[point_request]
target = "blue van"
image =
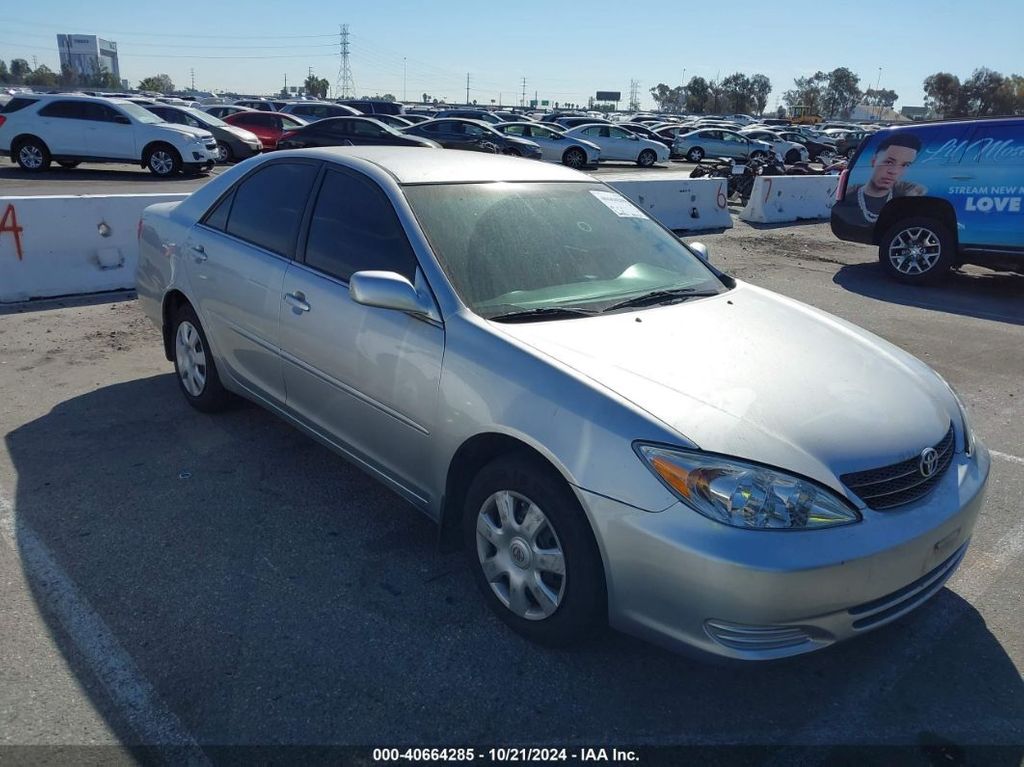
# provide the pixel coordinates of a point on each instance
(937, 195)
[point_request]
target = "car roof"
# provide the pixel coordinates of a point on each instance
(412, 165)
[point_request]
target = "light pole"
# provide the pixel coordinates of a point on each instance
(682, 90)
(403, 78)
(878, 101)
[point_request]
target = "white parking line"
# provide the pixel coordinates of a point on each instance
(1006, 457)
(131, 693)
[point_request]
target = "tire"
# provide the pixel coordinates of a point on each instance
(224, 153)
(917, 251)
(792, 156)
(516, 508)
(194, 365)
(695, 155)
(163, 160)
(32, 155)
(647, 158)
(574, 157)
(68, 164)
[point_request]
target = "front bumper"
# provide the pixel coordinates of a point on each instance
(681, 580)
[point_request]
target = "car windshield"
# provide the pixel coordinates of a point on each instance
(510, 247)
(205, 118)
(140, 114)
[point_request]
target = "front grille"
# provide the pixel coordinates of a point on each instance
(900, 483)
(886, 608)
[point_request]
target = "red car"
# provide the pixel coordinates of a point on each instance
(268, 126)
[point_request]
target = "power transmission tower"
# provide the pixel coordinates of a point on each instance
(634, 96)
(192, 72)
(344, 86)
(523, 102)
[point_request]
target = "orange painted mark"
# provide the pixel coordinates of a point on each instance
(9, 223)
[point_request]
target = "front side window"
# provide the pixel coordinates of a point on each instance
(355, 228)
(268, 206)
(519, 246)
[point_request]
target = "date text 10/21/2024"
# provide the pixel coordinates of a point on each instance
(504, 754)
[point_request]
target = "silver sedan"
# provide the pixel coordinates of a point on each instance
(555, 145)
(614, 429)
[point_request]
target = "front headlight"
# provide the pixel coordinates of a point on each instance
(745, 495)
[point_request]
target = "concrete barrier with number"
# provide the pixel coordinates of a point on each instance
(676, 200)
(776, 199)
(60, 246)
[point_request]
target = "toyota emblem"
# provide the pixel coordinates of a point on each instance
(929, 462)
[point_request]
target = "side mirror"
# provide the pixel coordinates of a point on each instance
(388, 290)
(701, 250)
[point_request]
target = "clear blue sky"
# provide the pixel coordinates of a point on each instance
(565, 50)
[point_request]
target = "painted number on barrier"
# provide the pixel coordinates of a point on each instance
(720, 198)
(9, 223)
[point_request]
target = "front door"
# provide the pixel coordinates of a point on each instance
(363, 377)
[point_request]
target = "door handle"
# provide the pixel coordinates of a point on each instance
(199, 253)
(297, 301)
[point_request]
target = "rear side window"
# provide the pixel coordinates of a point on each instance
(15, 104)
(69, 110)
(218, 217)
(268, 206)
(354, 227)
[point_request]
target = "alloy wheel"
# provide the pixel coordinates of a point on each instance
(31, 156)
(161, 162)
(914, 251)
(520, 555)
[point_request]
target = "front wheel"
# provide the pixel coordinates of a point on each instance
(193, 362)
(574, 158)
(224, 153)
(647, 158)
(532, 552)
(163, 161)
(917, 251)
(792, 156)
(695, 155)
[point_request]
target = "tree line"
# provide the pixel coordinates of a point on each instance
(984, 93)
(19, 72)
(737, 93)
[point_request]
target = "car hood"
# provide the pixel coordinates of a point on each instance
(757, 376)
(242, 133)
(187, 131)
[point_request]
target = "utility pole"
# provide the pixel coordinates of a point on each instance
(877, 84)
(403, 78)
(285, 91)
(536, 100)
(192, 72)
(467, 89)
(523, 102)
(634, 96)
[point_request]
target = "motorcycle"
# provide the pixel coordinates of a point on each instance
(740, 175)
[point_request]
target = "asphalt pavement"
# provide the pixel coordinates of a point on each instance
(132, 179)
(191, 580)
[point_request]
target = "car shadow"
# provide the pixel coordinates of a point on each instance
(272, 594)
(971, 293)
(64, 302)
(86, 173)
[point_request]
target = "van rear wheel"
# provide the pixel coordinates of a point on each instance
(917, 251)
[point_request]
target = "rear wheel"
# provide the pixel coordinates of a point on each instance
(194, 364)
(532, 551)
(917, 251)
(574, 157)
(163, 160)
(695, 155)
(647, 158)
(32, 155)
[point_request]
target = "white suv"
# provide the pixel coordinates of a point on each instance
(37, 129)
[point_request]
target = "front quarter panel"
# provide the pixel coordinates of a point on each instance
(491, 383)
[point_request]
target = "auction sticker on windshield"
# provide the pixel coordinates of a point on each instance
(617, 205)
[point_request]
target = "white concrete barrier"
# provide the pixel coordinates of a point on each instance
(676, 200)
(63, 245)
(775, 199)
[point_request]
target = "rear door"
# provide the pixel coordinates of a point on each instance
(236, 257)
(362, 377)
(65, 127)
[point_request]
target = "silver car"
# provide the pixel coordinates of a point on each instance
(555, 145)
(717, 142)
(614, 429)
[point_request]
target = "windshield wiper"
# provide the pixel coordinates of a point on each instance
(666, 296)
(543, 312)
